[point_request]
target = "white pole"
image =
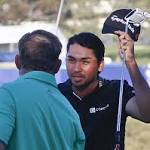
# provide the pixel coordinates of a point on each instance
(122, 53)
(59, 14)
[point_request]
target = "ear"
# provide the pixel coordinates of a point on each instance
(101, 65)
(57, 66)
(18, 61)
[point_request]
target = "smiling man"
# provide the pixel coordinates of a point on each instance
(96, 99)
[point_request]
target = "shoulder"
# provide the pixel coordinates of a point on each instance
(6, 87)
(109, 83)
(113, 83)
(6, 93)
(9, 90)
(11, 85)
(65, 86)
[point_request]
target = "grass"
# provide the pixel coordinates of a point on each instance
(142, 54)
(137, 135)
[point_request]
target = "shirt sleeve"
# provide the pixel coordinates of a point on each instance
(129, 91)
(7, 115)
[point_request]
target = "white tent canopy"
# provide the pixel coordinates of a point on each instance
(11, 34)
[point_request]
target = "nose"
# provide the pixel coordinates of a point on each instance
(77, 67)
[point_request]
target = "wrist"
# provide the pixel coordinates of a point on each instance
(130, 61)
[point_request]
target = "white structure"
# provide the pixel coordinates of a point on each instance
(11, 34)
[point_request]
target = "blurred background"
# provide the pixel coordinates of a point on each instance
(20, 16)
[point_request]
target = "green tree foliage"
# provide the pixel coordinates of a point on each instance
(77, 15)
(19, 10)
(15, 11)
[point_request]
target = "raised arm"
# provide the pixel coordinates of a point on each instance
(138, 106)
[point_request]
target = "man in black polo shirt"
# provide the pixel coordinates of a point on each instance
(96, 99)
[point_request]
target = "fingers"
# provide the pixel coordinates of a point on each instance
(125, 42)
(122, 35)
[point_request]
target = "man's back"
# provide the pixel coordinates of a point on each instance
(37, 116)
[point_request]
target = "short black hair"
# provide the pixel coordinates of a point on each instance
(39, 50)
(88, 40)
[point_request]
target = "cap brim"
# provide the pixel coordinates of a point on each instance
(109, 29)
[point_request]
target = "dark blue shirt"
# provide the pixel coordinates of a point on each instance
(98, 112)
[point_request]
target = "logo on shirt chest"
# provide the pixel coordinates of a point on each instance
(97, 109)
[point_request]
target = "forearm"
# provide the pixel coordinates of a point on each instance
(142, 90)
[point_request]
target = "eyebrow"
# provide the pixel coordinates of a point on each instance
(83, 58)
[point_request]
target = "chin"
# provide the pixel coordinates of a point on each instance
(76, 83)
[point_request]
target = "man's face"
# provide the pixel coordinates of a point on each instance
(82, 66)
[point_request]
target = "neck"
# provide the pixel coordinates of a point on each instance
(85, 90)
(22, 71)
